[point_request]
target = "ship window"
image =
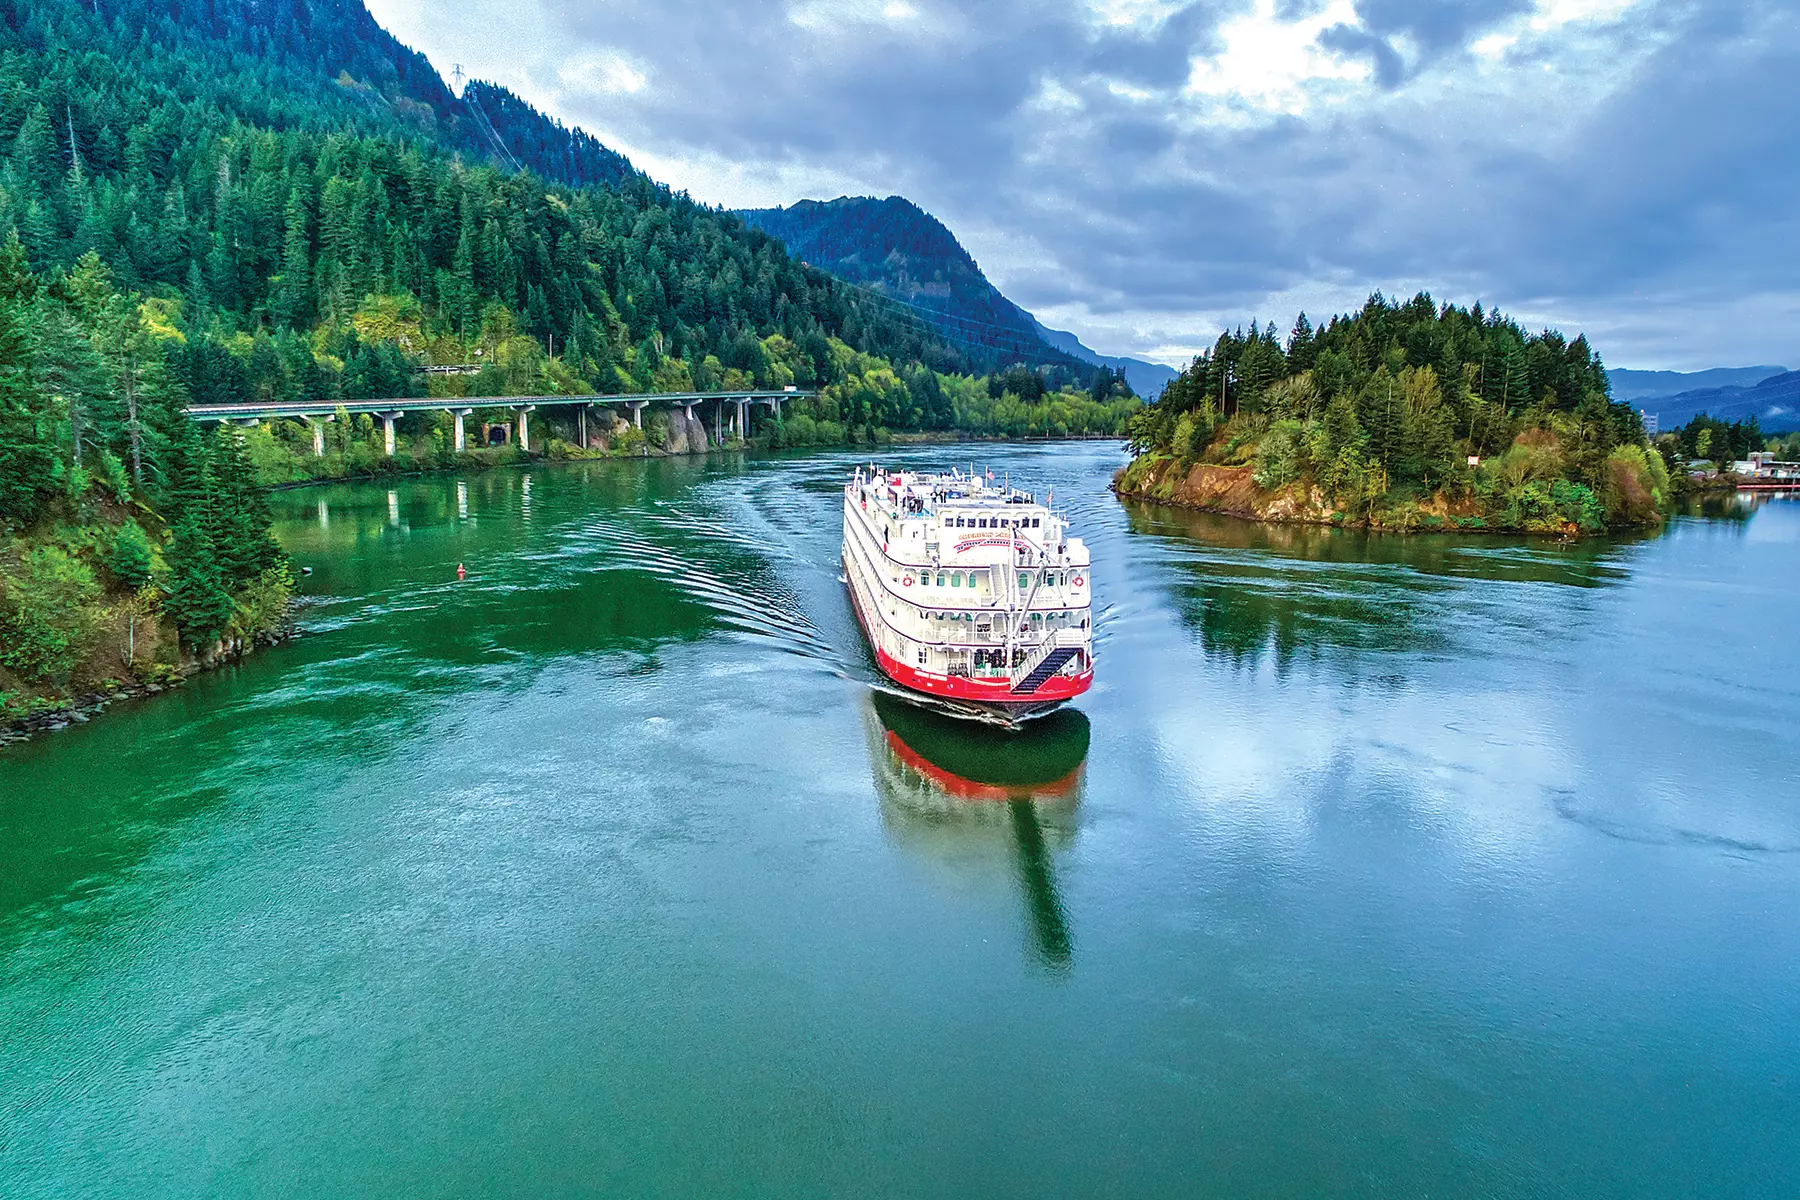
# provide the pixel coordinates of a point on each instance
(1024, 581)
(1034, 522)
(940, 579)
(956, 579)
(1037, 616)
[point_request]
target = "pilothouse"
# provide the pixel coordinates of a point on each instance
(973, 594)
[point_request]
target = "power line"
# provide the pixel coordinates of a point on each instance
(1008, 331)
(474, 103)
(1002, 340)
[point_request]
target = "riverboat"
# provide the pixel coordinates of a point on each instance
(972, 594)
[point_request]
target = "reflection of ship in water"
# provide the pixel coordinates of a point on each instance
(964, 793)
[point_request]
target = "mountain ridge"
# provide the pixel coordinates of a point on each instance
(1774, 402)
(895, 248)
(1632, 386)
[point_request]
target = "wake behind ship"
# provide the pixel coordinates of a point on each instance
(971, 594)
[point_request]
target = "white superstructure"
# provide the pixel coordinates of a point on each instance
(973, 593)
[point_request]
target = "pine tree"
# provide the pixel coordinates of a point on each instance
(237, 515)
(197, 600)
(27, 459)
(1302, 352)
(131, 556)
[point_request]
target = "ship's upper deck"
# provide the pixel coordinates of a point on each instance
(953, 518)
(911, 493)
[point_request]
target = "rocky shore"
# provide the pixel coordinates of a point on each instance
(56, 715)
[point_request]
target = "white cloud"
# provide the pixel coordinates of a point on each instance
(1144, 172)
(1273, 65)
(606, 71)
(1553, 13)
(842, 17)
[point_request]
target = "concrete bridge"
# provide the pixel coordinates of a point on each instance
(737, 404)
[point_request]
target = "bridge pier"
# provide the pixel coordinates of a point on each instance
(387, 430)
(731, 418)
(459, 414)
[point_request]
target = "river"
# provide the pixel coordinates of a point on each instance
(1369, 867)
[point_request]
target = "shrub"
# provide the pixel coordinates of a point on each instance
(1182, 441)
(1635, 486)
(630, 440)
(1281, 455)
(114, 477)
(1577, 504)
(263, 604)
(46, 613)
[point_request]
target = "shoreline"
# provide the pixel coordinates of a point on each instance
(539, 458)
(79, 710)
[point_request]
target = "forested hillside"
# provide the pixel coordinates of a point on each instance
(1402, 415)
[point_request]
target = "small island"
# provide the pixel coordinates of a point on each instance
(1403, 416)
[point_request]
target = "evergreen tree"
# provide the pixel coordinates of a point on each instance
(291, 303)
(27, 459)
(196, 597)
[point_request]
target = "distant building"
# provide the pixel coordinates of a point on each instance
(1764, 466)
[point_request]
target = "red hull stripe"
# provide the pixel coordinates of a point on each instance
(997, 692)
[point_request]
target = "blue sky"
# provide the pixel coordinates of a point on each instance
(1144, 173)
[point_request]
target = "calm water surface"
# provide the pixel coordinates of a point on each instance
(1370, 867)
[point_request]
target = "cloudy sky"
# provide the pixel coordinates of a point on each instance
(1145, 172)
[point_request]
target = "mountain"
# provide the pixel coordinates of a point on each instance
(898, 250)
(1632, 386)
(1147, 379)
(323, 65)
(274, 166)
(1774, 402)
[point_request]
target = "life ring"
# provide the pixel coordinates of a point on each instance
(1080, 582)
(907, 581)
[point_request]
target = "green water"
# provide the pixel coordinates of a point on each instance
(1370, 867)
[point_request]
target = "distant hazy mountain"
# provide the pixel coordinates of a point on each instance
(894, 247)
(1147, 379)
(1775, 402)
(1631, 385)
